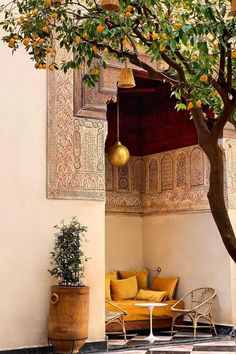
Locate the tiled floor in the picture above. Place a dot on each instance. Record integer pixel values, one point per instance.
(166, 344)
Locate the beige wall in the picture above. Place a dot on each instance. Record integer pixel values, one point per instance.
(232, 215)
(189, 245)
(27, 216)
(124, 242)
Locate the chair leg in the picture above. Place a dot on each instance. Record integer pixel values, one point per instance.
(123, 327)
(213, 325)
(194, 327)
(172, 325)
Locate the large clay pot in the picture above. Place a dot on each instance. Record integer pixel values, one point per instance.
(68, 318)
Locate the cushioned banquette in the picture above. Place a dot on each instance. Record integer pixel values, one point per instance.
(125, 289)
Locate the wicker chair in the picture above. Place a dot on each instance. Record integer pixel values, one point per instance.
(116, 316)
(198, 305)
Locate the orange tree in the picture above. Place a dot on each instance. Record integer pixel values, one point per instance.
(195, 38)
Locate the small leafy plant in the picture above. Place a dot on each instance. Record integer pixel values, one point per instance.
(68, 258)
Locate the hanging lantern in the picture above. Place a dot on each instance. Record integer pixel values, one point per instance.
(118, 154)
(110, 5)
(126, 79)
(233, 8)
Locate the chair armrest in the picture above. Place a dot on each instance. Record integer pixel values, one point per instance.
(116, 307)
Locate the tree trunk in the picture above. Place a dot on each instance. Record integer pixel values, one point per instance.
(216, 196)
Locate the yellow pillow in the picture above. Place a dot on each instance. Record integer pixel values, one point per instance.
(112, 274)
(124, 288)
(165, 284)
(150, 295)
(142, 277)
(107, 287)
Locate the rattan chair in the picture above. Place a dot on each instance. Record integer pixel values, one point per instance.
(198, 305)
(116, 316)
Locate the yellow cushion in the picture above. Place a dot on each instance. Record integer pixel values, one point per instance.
(107, 287)
(112, 274)
(142, 277)
(165, 284)
(150, 295)
(124, 288)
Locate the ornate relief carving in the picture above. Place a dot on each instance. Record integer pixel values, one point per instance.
(153, 175)
(181, 197)
(167, 172)
(229, 145)
(139, 177)
(196, 167)
(181, 170)
(75, 145)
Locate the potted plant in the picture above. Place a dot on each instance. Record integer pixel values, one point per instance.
(68, 314)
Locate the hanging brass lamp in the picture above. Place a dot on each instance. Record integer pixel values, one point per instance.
(118, 154)
(126, 78)
(233, 8)
(110, 5)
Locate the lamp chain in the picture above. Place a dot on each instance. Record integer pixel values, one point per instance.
(118, 118)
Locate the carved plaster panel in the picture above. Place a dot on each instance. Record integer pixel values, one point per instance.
(169, 183)
(229, 145)
(75, 145)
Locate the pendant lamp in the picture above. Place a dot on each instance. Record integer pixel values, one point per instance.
(118, 154)
(110, 5)
(126, 78)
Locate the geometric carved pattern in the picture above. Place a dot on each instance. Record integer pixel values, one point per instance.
(157, 198)
(181, 170)
(139, 175)
(167, 172)
(196, 167)
(123, 178)
(153, 175)
(76, 168)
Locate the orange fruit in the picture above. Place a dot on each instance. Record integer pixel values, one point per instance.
(26, 41)
(52, 55)
(51, 67)
(22, 18)
(47, 3)
(94, 48)
(198, 103)
(203, 78)
(48, 49)
(54, 16)
(77, 39)
(34, 12)
(100, 28)
(45, 29)
(194, 57)
(233, 54)
(106, 50)
(164, 36)
(41, 41)
(95, 72)
(44, 66)
(155, 35)
(40, 66)
(80, 67)
(148, 36)
(216, 45)
(36, 65)
(129, 8)
(190, 105)
(128, 14)
(19, 22)
(85, 35)
(162, 48)
(35, 36)
(11, 42)
(177, 25)
(16, 37)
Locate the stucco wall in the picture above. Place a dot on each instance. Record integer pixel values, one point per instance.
(27, 216)
(124, 242)
(189, 246)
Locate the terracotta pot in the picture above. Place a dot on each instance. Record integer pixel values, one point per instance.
(68, 318)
